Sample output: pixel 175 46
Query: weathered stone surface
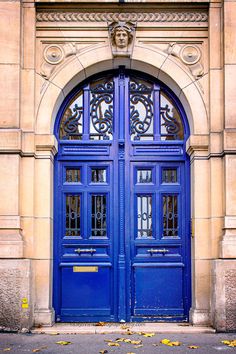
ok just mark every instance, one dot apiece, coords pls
pixel 230 296
pixel 15 295
pixel 223 309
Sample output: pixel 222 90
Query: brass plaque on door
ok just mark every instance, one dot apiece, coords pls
pixel 84 269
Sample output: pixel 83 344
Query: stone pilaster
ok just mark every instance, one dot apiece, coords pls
pixel 45 147
pixel 197 148
pixel 224 269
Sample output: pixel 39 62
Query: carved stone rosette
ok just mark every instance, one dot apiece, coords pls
pixel 190 55
pixel 55 54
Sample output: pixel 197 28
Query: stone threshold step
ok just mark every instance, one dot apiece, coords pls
pixel 93 328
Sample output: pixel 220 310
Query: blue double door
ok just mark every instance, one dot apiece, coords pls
pixel 121 249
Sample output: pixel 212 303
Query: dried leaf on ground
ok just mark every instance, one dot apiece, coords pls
pixel 100 323
pixel 136 342
pixel 54 334
pixel 108 340
pixel 130 353
pixel 193 347
pixel 126 340
pixel 112 344
pixel 229 343
pixel 120 339
pixel 138 346
pixel 129 332
pixel 232 344
pixel 39 349
pixel 6 349
pixel 63 342
pixel 103 351
pixel 164 341
pixel 173 344
pixel 146 334
pixel 124 327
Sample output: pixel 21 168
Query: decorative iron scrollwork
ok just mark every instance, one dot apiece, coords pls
pixel 135 86
pixel 107 87
pixel 141 109
pixel 171 125
pixel 70 126
pixel 101 111
pixel 140 118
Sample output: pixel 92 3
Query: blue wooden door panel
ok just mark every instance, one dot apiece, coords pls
pixel 86 293
pixel 158 290
pixel 122 247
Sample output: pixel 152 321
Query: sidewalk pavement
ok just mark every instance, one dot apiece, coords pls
pixel 146 338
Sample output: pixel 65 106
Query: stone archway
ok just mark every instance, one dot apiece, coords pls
pixel 174 75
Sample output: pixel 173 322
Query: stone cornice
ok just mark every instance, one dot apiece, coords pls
pixel 157 16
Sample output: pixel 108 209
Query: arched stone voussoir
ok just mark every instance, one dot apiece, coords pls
pixel 65 78
pixel 148 60
pixel 176 76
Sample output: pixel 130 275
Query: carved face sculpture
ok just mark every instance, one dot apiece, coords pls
pixel 121 38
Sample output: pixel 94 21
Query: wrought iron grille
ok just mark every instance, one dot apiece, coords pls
pixel 73 208
pixel 91 115
pixel 144 215
pixel 170 215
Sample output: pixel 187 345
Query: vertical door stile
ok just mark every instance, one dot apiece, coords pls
pixel 121 174
pixel 86 115
pixel 156 111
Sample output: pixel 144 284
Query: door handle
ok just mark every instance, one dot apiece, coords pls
pixel 163 251
pixel 85 250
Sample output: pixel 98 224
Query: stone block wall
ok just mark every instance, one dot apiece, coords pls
pixel 16 292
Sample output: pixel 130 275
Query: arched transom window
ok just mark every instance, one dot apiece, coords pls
pixel 151 113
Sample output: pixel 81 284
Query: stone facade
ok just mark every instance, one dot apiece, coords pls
pixel 51 47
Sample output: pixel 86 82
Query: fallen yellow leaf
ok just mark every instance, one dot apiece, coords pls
pixel 108 340
pixel 173 344
pixel 147 334
pixel 227 342
pixel 193 347
pixel 129 332
pixel 138 346
pixel 230 343
pixel 130 353
pixel 54 334
pixel 127 340
pixel 165 341
pixel 38 349
pixel 112 344
pixel 120 339
pixel 136 342
pixel 62 342
pixel 100 324
pixel 124 327
pixel 103 351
